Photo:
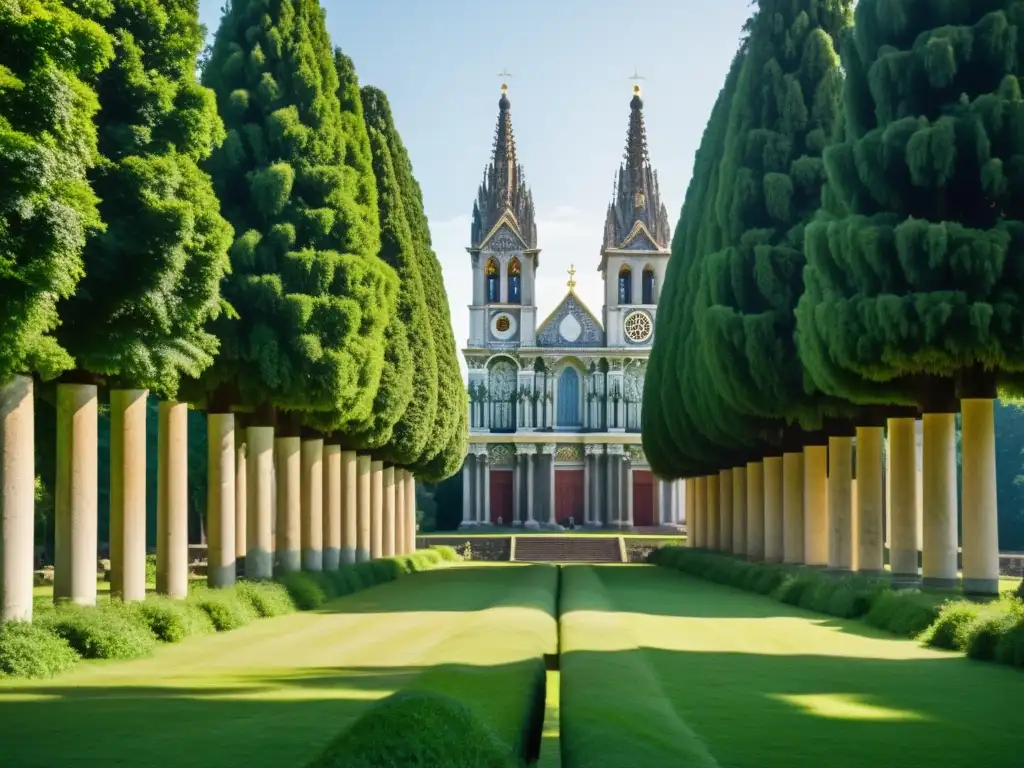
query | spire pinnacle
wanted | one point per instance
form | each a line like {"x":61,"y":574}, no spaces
{"x":572,"y":277}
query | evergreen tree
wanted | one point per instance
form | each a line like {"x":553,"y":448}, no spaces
{"x":49,"y":56}
{"x":152,"y":277}
{"x":312,"y":299}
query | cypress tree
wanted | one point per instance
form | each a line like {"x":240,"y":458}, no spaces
{"x":49,"y":57}
{"x":312,"y":301}
{"x":152,"y":277}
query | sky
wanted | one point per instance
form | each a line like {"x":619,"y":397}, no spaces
{"x":571,"y":60}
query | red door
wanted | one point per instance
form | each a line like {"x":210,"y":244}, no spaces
{"x":501,"y":496}
{"x":569,"y":496}
{"x":643,"y":499}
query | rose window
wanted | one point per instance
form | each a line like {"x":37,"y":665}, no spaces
{"x":638,"y":326}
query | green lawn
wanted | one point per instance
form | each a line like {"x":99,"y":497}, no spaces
{"x":762,"y":684}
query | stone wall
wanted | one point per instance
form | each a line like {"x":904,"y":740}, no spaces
{"x":487,"y":549}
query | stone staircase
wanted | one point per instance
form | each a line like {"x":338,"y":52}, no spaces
{"x":567,"y":549}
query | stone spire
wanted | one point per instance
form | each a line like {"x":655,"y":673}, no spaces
{"x":636,"y":196}
{"x":503,"y":190}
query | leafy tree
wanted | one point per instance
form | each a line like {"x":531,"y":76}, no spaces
{"x":49,"y":54}
{"x":152,"y":277}
{"x":312,"y":299}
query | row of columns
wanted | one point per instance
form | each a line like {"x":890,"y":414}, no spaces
{"x":331,"y":506}
{"x":806,"y":508}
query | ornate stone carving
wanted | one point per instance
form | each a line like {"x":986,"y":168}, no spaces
{"x":527,"y":449}
{"x":633,"y":385}
{"x":590,"y":333}
{"x":502,"y":454}
{"x":548,"y":449}
{"x":569,"y":452}
{"x":478,"y":449}
{"x":595,"y":450}
{"x":504,"y":243}
{"x":636,"y":453}
{"x":616,"y":450}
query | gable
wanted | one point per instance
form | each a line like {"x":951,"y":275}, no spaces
{"x":639,"y":239}
{"x":571,"y":325}
{"x":503,"y":238}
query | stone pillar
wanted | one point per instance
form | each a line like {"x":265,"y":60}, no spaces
{"x":793,"y":508}
{"x":530,"y":452}
{"x":755,"y":511}
{"x":773,"y":509}
{"x":690,"y":509}
{"x":467,"y":491}
{"x":548,"y":450}
{"x":350,"y":479}
{"x":939,"y":553}
{"x":387,"y":548}
{"x":486,"y":471}
{"x":714,"y":532}
{"x":517,"y":489}
{"x":739,"y":510}
{"x":241,"y":497}
{"x":409,"y":483}
{"x":399,"y":491}
{"x":220,"y":499}
{"x":587,"y":472}
{"x":288,"y":536}
{"x":816,"y":506}
{"x":128,"y":494}
{"x":363,"y":494}
{"x":725,"y":510}
{"x":172,"y":502}
{"x":700,"y":512}
{"x":903,"y":543}
{"x":17,"y":499}
{"x":312,"y":500}
{"x":332,"y":507}
{"x":840,"y":503}
{"x":980,"y":521}
{"x":870,"y":497}
{"x":259,"y":529}
{"x":376,"y":509}
{"x":479,"y":515}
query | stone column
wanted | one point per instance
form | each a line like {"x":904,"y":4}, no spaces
{"x":980,"y":521}
{"x":870,"y":497}
{"x":773,"y":500}
{"x":467,"y":491}
{"x":939,"y":553}
{"x":816,"y":505}
{"x":288,"y":460}
{"x":259,"y":529}
{"x":479,"y":514}
{"x":486,"y":471}
{"x":17,"y":499}
{"x":399,"y":491}
{"x":517,"y":489}
{"x":755,"y":511}
{"x":739,"y":510}
{"x":903,"y":543}
{"x":332,"y":507}
{"x":362,"y":508}
{"x":350,"y":479}
{"x":388,"y":521}
{"x":220,"y":499}
{"x":530,"y":451}
{"x":241,"y":498}
{"x":312,"y":500}
{"x":690,"y":509}
{"x":700,"y":517}
{"x":587,"y":472}
{"x":172,"y":502}
{"x":725,"y":510}
{"x":128,"y":494}
{"x":548,"y":451}
{"x":376,"y":509}
{"x":409,"y":483}
{"x":840,"y":503}
{"x":793,"y":508}
{"x":714,"y":533}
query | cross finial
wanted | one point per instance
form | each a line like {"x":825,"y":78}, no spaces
{"x":572,"y":276}
{"x":504,"y":75}
{"x":636,"y":78}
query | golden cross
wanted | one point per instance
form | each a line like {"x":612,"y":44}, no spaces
{"x":636,"y":78}
{"x":504,"y":75}
{"x":572,"y":276}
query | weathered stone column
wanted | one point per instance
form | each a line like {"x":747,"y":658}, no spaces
{"x":410,"y":512}
{"x":241,"y":498}
{"x":517,"y":489}
{"x":350,"y":479}
{"x":980,"y":520}
{"x":530,"y":451}
{"x":587,"y":474}
{"x":171,"y":503}
{"x":700,"y":516}
{"x":17,"y":499}
{"x":840,"y":503}
{"x":400,"y":538}
{"x":467,"y":491}
{"x":870,"y":496}
{"x":376,"y":509}
{"x":690,"y":510}
{"x":773,"y":543}
{"x":739,"y":510}
{"x":725,"y":510}
{"x":363,"y":508}
{"x":714,"y":534}
{"x":903,"y":544}
{"x":312,"y":501}
{"x":938,"y":462}
{"x":816,"y":506}
{"x":259,"y":529}
{"x":332,"y":507}
{"x":755,"y":511}
{"x":128,"y":494}
{"x":486,"y":461}
{"x":220,"y":499}
{"x":388,"y":513}
{"x":793,"y":508}
{"x":288,"y":452}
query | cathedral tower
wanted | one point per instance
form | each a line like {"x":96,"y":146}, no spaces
{"x":635,"y":251}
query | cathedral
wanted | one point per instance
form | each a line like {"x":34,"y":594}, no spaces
{"x":555,"y":406}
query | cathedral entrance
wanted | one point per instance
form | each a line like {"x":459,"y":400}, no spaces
{"x":501,"y":496}
{"x":569,"y":496}
{"x":644,"y":510}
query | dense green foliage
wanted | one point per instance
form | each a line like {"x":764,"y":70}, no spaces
{"x":31,"y":650}
{"x":152,"y":276}
{"x":171,"y":620}
{"x":49,"y":56}
{"x":109,"y":631}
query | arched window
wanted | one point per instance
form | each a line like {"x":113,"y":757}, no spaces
{"x":514,"y":281}
{"x":625,"y":285}
{"x":502,"y":394}
{"x":491,"y":272}
{"x":567,"y":414}
{"x":650,"y":283}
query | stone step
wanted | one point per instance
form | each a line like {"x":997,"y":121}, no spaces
{"x":567,"y":549}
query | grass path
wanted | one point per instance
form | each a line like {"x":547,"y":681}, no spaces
{"x":764,"y":684}
{"x":270,"y":694}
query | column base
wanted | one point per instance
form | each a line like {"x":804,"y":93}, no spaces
{"x":531,"y":525}
{"x":906,"y":581}
{"x":937,"y":582}
{"x":872,"y":574}
{"x":467,"y":524}
{"x":517,"y":524}
{"x":981,"y":587}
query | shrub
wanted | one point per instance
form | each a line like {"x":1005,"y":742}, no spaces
{"x":907,"y":613}
{"x":948,"y":630}
{"x":110,"y":631}
{"x":225,"y":607}
{"x":1011,"y":646}
{"x":420,"y":728}
{"x":983,"y":636}
{"x":30,"y":650}
{"x":446,"y":553}
{"x":151,"y":569}
{"x":170,"y":620}
{"x":267,"y":598}
{"x":306,"y":591}
{"x":347,"y":580}
{"x":797,"y":587}
{"x":367,"y":574}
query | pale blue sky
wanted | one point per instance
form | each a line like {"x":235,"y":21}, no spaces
{"x":438,"y":61}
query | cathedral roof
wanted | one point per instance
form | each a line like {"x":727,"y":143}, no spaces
{"x":571,"y":324}
{"x":503,"y":197}
{"x":637,"y":219}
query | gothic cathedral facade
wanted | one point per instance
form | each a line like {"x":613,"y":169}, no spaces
{"x":555,"y":407}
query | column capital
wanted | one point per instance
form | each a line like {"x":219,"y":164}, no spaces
{"x":527,"y":449}
{"x":548,"y":448}
{"x":594,"y":450}
{"x":616,"y":450}
{"x":478,"y":449}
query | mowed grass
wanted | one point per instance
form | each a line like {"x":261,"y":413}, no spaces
{"x":275,"y":692}
{"x":763,"y":684}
